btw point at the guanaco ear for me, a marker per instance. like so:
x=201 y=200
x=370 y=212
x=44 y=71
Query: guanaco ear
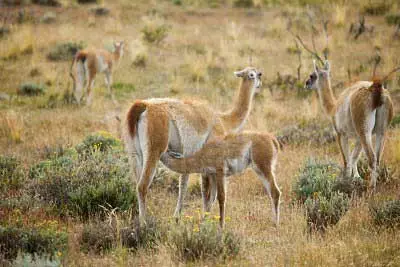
x=327 y=66
x=316 y=69
x=239 y=73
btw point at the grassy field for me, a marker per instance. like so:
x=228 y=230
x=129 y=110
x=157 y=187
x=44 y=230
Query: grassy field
x=185 y=49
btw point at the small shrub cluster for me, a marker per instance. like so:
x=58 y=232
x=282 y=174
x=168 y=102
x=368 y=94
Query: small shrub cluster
x=100 y=141
x=393 y=19
x=35 y=241
x=83 y=181
x=395 y=121
x=315 y=188
x=64 y=51
x=193 y=240
x=154 y=30
x=377 y=8
x=87 y=1
x=311 y=133
x=31 y=89
x=100 y=11
x=243 y=3
x=102 y=236
x=54 y=3
x=386 y=214
x=11 y=174
x=140 y=60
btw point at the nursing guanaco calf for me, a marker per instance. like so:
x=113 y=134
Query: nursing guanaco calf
x=231 y=155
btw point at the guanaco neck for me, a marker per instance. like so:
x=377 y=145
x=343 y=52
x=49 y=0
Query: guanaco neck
x=326 y=97
x=234 y=119
x=117 y=55
x=181 y=165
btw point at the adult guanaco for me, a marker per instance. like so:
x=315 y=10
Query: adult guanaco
x=363 y=109
x=88 y=63
x=155 y=125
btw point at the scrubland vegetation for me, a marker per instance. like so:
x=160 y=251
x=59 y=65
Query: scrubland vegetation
x=66 y=192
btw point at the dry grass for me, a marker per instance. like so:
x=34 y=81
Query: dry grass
x=196 y=59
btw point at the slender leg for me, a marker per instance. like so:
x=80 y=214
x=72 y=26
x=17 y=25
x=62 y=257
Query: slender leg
x=89 y=89
x=183 y=183
x=267 y=177
x=221 y=195
x=366 y=142
x=344 y=149
x=109 y=85
x=354 y=158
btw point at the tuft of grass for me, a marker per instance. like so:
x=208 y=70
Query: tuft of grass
x=36 y=241
x=87 y=1
x=11 y=174
x=64 y=51
x=324 y=211
x=386 y=214
x=243 y=3
x=393 y=19
x=193 y=240
x=11 y=127
x=98 y=237
x=31 y=89
x=376 y=8
x=154 y=30
x=54 y=3
x=147 y=235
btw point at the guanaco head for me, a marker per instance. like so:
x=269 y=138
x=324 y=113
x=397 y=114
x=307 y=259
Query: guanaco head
x=251 y=74
x=119 y=48
x=318 y=77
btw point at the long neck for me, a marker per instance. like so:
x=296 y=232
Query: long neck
x=116 y=55
x=236 y=117
x=327 y=99
x=182 y=165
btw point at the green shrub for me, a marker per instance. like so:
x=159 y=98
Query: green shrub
x=190 y=241
x=154 y=34
x=31 y=89
x=393 y=19
x=243 y=3
x=140 y=60
x=11 y=174
x=98 y=237
x=324 y=211
x=315 y=178
x=35 y=241
x=64 y=51
x=47 y=2
x=87 y=1
x=386 y=214
x=377 y=9
x=79 y=185
x=142 y=236
x=395 y=121
x=100 y=141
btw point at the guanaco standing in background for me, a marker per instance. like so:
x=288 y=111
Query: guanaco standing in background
x=89 y=62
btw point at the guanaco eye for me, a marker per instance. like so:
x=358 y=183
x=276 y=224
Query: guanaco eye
x=251 y=75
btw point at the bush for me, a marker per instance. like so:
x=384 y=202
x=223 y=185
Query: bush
x=47 y=2
x=140 y=60
x=35 y=241
x=11 y=174
x=315 y=178
x=191 y=240
x=64 y=51
x=325 y=211
x=377 y=9
x=321 y=193
x=142 y=236
x=81 y=185
x=393 y=19
x=243 y=3
x=98 y=237
x=100 y=141
x=87 y=1
x=154 y=31
x=101 y=236
x=386 y=214
x=395 y=121
x=31 y=89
